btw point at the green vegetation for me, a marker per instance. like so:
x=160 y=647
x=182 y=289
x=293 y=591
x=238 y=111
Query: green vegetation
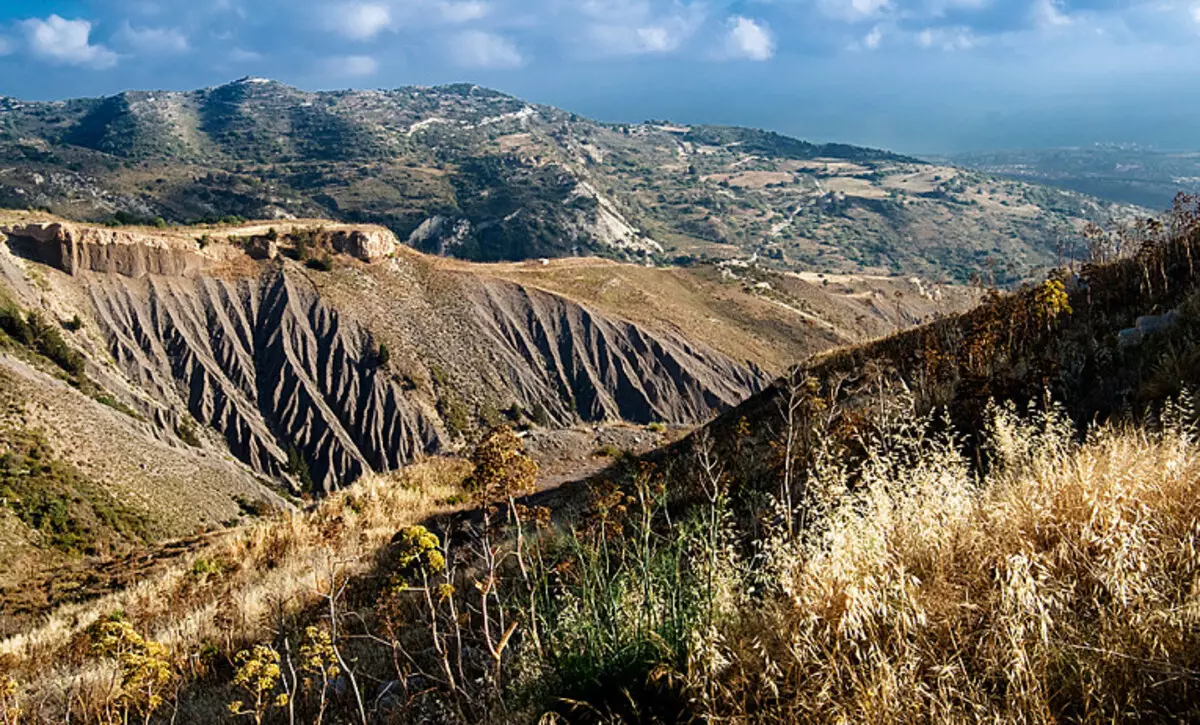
x=297 y=466
x=38 y=335
x=187 y=432
x=537 y=185
x=53 y=498
x=383 y=355
x=324 y=263
x=454 y=412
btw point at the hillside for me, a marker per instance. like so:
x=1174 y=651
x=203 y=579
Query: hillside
x=177 y=382
x=464 y=171
x=1012 y=490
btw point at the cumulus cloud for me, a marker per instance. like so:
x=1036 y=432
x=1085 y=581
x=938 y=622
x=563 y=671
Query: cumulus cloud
x=68 y=42
x=634 y=27
x=6 y=46
x=1049 y=14
x=359 y=21
x=872 y=39
x=480 y=49
x=462 y=12
x=854 y=10
x=153 y=40
x=1196 y=13
x=749 y=39
x=948 y=39
x=351 y=66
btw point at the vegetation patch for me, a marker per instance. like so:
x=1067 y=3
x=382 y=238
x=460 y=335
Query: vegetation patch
x=53 y=498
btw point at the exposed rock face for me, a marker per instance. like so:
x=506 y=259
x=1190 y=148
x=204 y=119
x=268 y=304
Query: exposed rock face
x=262 y=248
x=272 y=364
x=269 y=366
x=131 y=254
x=367 y=245
x=595 y=367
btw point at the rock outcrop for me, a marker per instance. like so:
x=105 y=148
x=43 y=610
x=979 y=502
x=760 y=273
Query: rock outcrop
x=74 y=249
x=277 y=367
x=369 y=245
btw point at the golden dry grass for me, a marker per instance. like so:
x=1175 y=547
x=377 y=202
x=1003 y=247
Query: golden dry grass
x=231 y=591
x=1062 y=587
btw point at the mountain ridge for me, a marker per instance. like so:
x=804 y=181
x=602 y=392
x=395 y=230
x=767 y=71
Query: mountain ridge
x=470 y=172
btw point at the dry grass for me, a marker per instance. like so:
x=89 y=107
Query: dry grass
x=1060 y=587
x=231 y=591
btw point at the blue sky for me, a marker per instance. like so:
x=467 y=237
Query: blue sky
x=912 y=75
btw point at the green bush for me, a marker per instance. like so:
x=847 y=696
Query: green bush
x=454 y=413
x=298 y=467
x=13 y=323
x=48 y=341
x=186 y=430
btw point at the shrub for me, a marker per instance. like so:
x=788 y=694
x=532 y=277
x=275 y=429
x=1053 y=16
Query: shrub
x=324 y=263
x=609 y=451
x=454 y=413
x=297 y=466
x=186 y=430
x=540 y=416
x=13 y=323
x=75 y=324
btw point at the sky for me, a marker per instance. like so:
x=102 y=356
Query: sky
x=916 y=76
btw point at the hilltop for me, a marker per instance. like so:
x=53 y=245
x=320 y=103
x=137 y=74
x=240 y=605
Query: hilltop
x=469 y=172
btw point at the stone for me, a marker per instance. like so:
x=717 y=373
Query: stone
x=262 y=248
x=368 y=245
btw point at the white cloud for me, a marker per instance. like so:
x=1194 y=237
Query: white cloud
x=854 y=10
x=462 y=12
x=632 y=27
x=872 y=39
x=153 y=40
x=749 y=39
x=948 y=39
x=351 y=66
x=1049 y=14
x=359 y=21
x=6 y=46
x=1196 y=13
x=66 y=41
x=478 y=49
